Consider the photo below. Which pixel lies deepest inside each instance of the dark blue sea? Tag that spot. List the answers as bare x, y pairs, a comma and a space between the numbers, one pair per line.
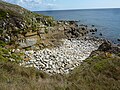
107, 21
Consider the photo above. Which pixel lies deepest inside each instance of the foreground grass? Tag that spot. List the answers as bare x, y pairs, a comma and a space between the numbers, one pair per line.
14, 77
95, 73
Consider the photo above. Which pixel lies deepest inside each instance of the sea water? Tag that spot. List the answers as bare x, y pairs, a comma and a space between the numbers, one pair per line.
107, 21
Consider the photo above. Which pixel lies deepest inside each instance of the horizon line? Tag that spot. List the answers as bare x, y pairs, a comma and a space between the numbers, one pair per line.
76, 9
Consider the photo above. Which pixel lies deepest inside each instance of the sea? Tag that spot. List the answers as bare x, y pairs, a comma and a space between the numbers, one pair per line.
107, 21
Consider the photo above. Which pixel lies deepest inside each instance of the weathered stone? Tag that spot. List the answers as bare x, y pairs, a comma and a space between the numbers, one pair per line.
105, 46
28, 42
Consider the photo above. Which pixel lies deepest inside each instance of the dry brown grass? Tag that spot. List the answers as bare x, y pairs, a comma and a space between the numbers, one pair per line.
95, 73
14, 77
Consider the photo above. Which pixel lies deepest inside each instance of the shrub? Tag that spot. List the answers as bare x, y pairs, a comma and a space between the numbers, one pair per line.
2, 44
2, 14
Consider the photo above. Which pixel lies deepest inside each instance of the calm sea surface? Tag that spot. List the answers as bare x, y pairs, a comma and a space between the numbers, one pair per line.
107, 21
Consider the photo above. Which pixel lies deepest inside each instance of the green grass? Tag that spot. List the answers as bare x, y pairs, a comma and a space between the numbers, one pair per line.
23, 15
2, 43
5, 55
2, 14
99, 73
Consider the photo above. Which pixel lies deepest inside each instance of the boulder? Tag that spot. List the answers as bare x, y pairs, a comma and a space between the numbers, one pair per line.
28, 42
106, 46
118, 39
100, 34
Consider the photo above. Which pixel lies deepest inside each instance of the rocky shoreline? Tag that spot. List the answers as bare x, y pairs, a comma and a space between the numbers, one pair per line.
25, 33
75, 46
64, 58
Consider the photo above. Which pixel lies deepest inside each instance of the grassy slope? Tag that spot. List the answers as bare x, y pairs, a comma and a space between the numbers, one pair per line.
15, 10
95, 73
18, 20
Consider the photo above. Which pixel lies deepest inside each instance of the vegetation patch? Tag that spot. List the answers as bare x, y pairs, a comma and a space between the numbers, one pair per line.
2, 14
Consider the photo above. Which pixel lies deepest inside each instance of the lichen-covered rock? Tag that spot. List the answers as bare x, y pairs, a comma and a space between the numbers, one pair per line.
28, 42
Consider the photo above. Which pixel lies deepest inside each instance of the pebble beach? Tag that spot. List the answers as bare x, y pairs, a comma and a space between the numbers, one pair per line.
64, 58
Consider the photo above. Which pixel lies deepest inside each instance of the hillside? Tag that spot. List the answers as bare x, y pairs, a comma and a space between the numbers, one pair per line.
99, 72
16, 22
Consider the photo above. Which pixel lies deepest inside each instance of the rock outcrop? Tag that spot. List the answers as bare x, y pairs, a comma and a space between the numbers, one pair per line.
15, 21
109, 47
